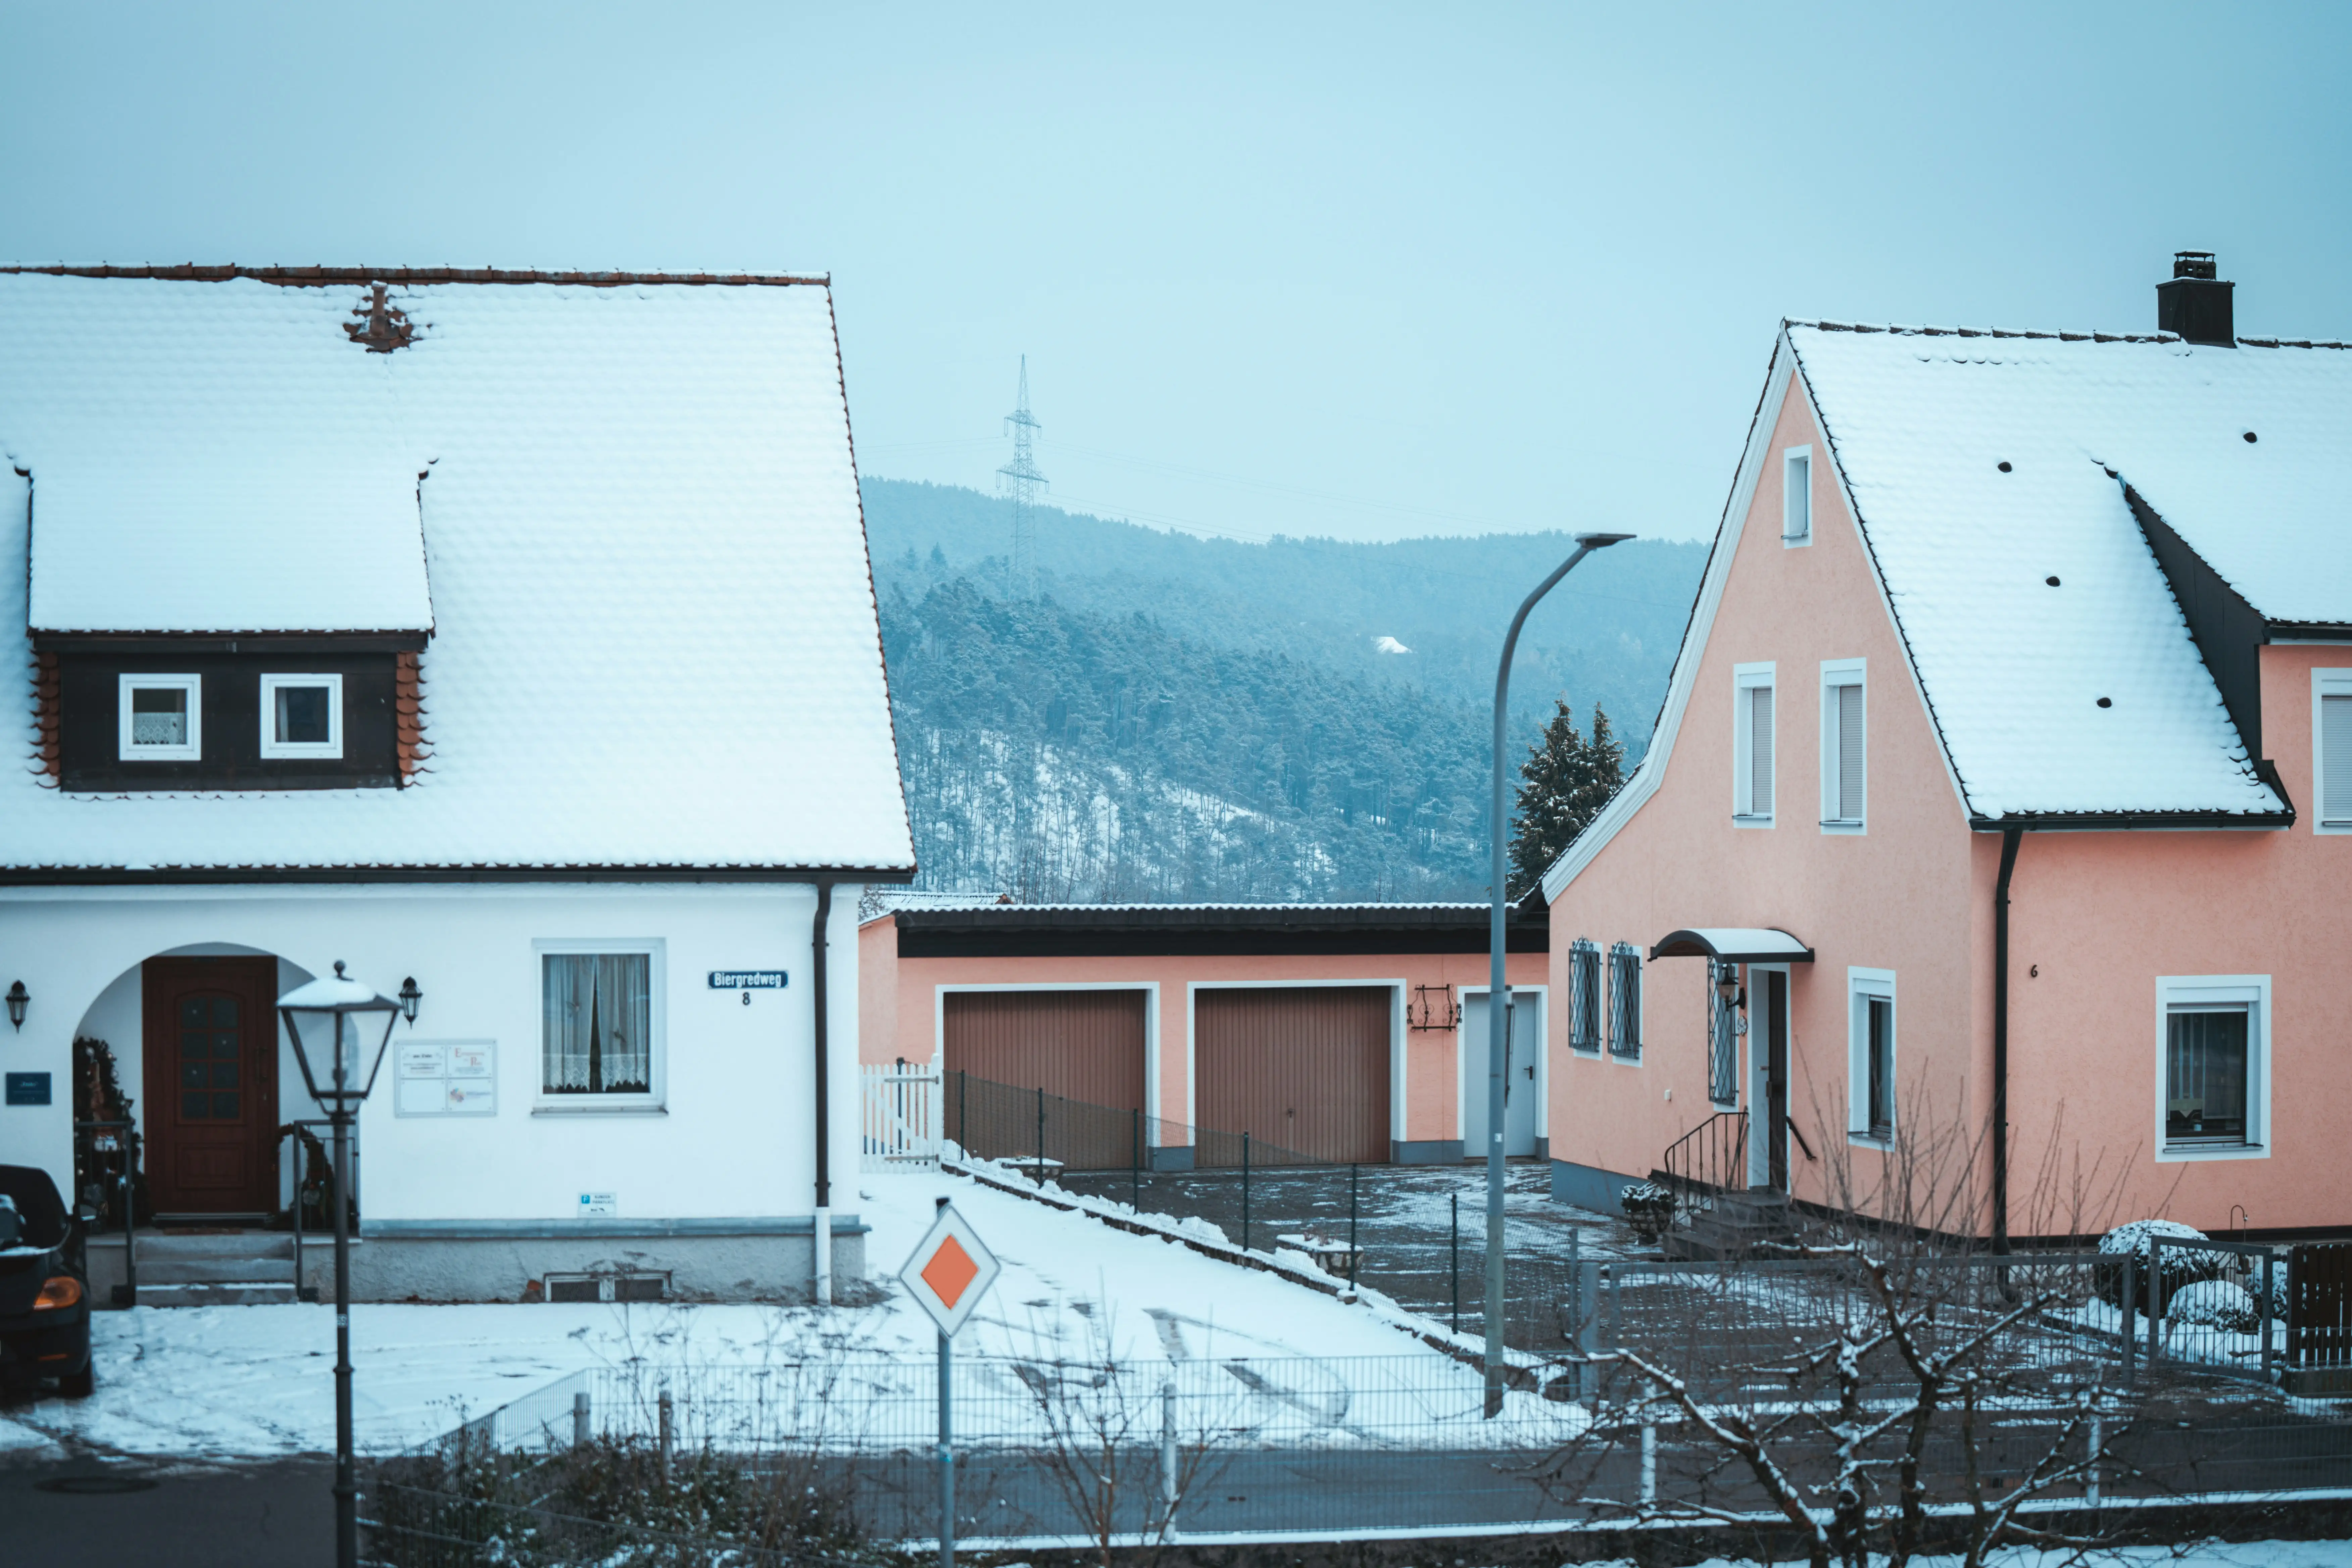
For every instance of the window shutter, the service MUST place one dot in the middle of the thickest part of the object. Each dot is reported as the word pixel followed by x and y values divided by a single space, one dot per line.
pixel 1584 994
pixel 1723 1040
pixel 1624 1000
pixel 1760 751
pixel 1849 753
pixel 2336 760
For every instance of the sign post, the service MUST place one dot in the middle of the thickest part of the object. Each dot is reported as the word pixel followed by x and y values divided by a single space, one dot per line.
pixel 950 1270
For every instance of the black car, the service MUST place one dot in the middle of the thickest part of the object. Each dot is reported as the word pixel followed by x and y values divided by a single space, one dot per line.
pixel 44 1286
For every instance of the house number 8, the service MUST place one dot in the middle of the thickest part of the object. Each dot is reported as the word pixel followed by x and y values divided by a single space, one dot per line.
pixel 747 998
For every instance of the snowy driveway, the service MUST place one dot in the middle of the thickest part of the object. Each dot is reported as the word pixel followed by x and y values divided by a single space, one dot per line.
pixel 223 1381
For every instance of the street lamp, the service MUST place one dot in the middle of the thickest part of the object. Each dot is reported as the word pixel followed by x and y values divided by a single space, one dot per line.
pixel 340 1014
pixel 1498 991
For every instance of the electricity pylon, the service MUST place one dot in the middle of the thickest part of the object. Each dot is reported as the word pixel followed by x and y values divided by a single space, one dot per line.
pixel 1021 481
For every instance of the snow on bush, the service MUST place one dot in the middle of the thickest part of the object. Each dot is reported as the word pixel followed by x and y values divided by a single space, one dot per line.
pixel 2213 1304
pixel 2133 1237
pixel 1649 1207
pixel 2182 1268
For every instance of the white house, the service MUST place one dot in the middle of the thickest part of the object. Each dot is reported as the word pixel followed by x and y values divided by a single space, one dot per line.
pixel 513 633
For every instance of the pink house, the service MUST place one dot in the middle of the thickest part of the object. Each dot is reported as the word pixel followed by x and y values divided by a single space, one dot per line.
pixel 1343 1031
pixel 2006 767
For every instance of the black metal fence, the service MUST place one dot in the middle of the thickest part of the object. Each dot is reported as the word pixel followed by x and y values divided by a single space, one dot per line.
pixel 1246 1192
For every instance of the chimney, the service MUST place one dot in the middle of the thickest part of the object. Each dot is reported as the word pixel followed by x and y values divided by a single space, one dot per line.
pixel 2194 303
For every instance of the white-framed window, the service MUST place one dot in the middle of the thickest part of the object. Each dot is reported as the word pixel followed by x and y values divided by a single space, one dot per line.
pixel 1751 745
pixel 2331 751
pixel 1844 755
pixel 602 1007
pixel 1625 1002
pixel 1870 1055
pixel 2212 1068
pixel 1584 995
pixel 162 718
pixel 301 715
pixel 1797 496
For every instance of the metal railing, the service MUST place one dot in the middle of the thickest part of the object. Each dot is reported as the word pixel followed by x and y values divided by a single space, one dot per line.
pixel 289 1133
pixel 1706 1161
pixel 1071 1448
pixel 118 1135
pixel 2217 1305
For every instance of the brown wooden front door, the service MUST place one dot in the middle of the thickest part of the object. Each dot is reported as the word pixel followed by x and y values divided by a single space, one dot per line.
pixel 211 1048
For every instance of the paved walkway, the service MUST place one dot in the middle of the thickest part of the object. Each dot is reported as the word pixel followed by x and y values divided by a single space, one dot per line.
pixel 1422 1228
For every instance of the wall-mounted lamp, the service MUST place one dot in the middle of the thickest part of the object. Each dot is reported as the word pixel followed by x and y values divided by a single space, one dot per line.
pixel 17 997
pixel 1727 986
pixel 409 997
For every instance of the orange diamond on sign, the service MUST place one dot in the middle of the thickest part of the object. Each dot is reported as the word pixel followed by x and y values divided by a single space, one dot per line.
pixel 949 1271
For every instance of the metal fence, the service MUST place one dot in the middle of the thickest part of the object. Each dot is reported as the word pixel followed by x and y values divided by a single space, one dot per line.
pixel 1077 1449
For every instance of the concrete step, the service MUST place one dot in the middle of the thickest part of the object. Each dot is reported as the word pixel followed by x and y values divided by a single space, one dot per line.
pixel 216 1244
pixel 208 1269
pixel 241 1294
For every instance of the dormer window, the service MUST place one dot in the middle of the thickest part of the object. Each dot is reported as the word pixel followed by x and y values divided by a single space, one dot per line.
pixel 162 718
pixel 301 715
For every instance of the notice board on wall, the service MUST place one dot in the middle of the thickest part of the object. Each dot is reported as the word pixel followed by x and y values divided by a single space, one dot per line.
pixel 445 1077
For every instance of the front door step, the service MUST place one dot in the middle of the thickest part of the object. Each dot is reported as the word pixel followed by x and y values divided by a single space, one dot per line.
pixel 250 1294
pixel 219 1268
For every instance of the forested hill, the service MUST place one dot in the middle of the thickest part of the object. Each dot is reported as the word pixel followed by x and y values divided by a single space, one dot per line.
pixel 1177 717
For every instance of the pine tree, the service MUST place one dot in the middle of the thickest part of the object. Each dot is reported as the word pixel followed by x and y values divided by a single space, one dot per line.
pixel 1563 784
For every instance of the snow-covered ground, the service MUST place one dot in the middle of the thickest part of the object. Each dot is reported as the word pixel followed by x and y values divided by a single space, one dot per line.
pixel 258 1381
pixel 2198 1554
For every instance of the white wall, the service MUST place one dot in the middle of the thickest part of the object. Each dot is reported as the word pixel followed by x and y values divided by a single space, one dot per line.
pixel 734 1138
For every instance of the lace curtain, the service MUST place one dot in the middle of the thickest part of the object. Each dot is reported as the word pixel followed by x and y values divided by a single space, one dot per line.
pixel 599 1023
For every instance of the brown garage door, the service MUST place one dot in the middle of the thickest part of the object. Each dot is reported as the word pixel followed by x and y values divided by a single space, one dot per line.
pixel 1304 1069
pixel 1083 1048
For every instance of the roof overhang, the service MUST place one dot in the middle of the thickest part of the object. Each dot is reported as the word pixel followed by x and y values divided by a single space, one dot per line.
pixel 1734 944
pixel 1140 930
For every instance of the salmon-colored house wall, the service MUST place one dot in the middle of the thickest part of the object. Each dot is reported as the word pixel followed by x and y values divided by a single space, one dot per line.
pixel 899 1012
pixel 2098 917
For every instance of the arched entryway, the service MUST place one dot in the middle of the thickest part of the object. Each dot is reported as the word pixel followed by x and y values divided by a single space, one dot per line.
pixel 194 1036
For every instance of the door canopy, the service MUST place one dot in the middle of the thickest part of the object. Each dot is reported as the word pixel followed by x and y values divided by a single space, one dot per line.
pixel 1734 944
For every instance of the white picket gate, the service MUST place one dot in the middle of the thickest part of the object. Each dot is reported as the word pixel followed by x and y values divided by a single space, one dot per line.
pixel 899 1115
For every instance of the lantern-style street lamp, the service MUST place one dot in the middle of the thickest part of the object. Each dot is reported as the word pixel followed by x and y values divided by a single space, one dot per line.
pixel 331 1020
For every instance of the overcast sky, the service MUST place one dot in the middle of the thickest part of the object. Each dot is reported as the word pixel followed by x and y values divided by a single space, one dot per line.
pixel 1360 271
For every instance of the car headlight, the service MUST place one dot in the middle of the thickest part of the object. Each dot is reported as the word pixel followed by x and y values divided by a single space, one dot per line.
pixel 60 1290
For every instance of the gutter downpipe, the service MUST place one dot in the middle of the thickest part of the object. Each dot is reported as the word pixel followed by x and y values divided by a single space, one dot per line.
pixel 2010 840
pixel 823 1289
pixel 1498 990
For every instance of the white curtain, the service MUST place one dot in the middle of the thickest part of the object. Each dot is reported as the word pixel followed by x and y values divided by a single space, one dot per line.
pixel 625 1022
pixel 599 1023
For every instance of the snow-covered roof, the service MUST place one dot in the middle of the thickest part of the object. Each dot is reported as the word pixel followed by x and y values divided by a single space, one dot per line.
pixel 639 551
pixel 1983 465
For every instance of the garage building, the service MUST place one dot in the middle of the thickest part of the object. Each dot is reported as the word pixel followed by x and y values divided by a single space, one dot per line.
pixel 1164 1033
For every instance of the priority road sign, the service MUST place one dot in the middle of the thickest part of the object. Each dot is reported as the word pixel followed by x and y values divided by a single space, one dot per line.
pixel 950 1270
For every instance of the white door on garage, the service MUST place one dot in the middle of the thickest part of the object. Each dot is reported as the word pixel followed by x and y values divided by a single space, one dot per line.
pixel 1521 1085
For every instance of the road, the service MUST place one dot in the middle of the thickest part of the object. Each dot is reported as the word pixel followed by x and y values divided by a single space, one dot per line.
pixel 273 1514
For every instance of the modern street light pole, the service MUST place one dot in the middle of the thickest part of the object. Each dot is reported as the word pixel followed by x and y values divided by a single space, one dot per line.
pixel 343 1005
pixel 1498 993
